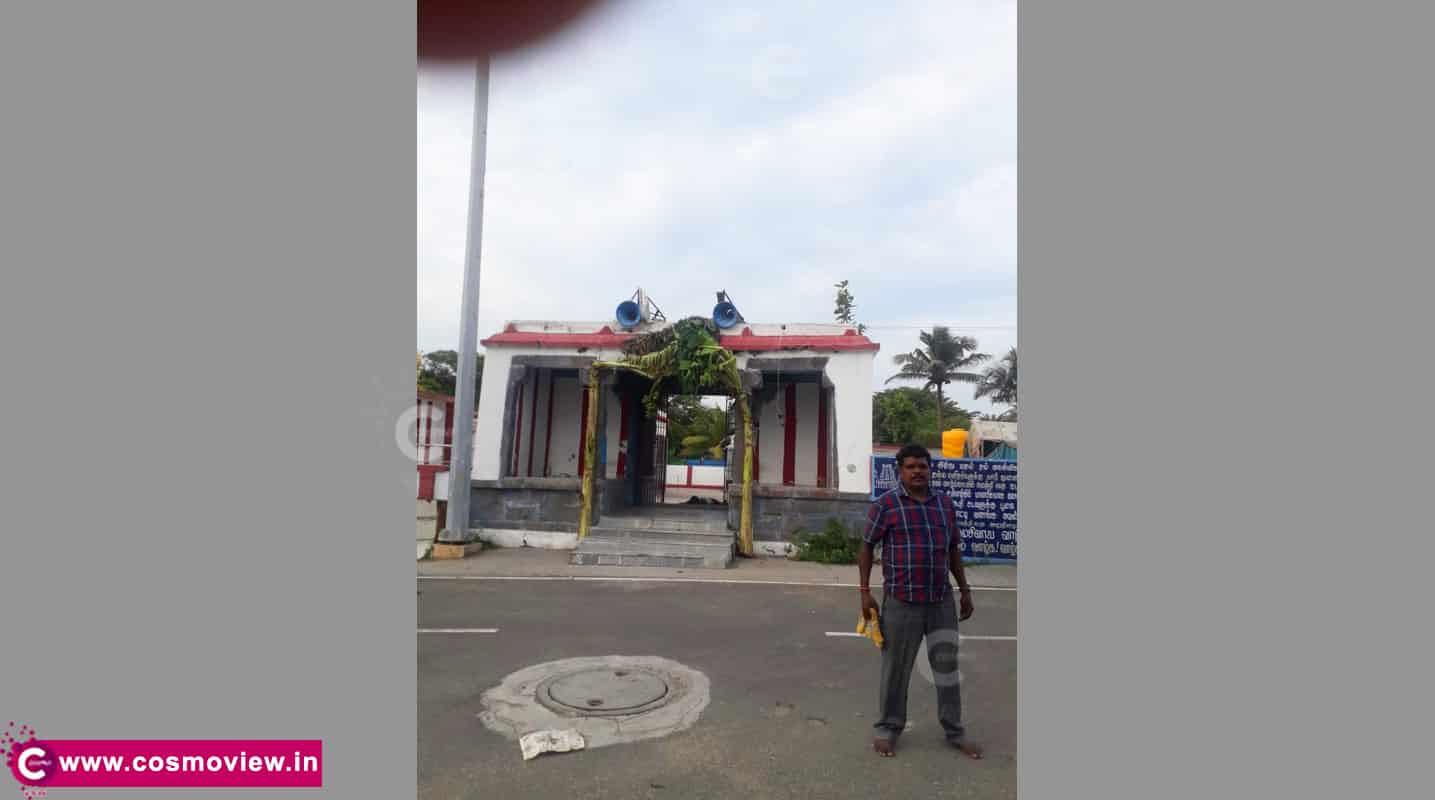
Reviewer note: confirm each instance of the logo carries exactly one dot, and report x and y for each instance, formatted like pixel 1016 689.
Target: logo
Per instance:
pixel 40 766
pixel 31 761
pixel 35 763
pixel 944 652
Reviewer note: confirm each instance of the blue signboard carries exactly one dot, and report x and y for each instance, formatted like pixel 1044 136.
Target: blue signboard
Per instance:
pixel 984 492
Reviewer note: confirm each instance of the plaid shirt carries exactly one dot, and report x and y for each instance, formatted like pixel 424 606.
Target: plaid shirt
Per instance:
pixel 917 538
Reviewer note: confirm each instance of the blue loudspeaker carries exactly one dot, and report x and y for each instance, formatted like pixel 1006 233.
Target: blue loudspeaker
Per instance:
pixel 630 314
pixel 725 315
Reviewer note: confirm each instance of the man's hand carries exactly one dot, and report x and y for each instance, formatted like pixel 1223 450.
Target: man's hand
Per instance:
pixel 868 601
pixel 967 607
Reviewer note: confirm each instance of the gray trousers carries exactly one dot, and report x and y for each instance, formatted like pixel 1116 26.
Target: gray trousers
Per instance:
pixel 903 626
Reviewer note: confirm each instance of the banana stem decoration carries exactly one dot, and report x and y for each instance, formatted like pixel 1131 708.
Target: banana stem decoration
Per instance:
pixel 744 535
pixel 590 455
pixel 690 354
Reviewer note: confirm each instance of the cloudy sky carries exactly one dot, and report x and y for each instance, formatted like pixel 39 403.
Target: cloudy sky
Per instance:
pixel 769 149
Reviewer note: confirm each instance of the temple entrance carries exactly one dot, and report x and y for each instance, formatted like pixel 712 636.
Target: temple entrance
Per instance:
pixel 697 449
pixel 679 455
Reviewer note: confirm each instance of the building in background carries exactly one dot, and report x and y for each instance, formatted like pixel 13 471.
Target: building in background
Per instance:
pixel 810 390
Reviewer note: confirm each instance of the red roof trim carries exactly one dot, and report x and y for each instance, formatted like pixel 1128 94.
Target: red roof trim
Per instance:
pixel 603 338
pixel 746 341
pixel 753 342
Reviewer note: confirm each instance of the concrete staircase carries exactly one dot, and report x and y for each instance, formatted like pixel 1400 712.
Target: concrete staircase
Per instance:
pixel 661 536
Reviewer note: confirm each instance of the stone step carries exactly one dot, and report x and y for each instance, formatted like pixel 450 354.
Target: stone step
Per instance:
pixel 652 551
pixel 666 522
pixel 648 535
pixel 666 562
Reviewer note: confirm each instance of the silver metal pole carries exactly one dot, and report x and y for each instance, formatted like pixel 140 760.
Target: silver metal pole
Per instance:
pixel 461 464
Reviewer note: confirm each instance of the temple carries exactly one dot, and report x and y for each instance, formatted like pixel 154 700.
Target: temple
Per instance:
pixel 809 391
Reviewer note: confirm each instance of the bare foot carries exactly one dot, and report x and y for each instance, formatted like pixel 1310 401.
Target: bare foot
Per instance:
pixel 884 748
pixel 972 751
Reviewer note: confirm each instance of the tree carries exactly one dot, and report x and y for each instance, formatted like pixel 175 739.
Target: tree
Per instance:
pixel 939 363
pixel 682 409
pixel 999 382
pixel 438 372
pixel 707 437
pixel 892 424
pixel 900 418
pixel 845 307
pixel 696 430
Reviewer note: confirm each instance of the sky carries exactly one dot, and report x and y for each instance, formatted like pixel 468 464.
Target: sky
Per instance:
pixel 766 149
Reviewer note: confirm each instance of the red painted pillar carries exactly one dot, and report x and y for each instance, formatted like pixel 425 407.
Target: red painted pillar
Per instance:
pixel 789 437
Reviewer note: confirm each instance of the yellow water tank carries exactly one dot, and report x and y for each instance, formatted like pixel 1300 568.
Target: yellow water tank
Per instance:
pixel 954 443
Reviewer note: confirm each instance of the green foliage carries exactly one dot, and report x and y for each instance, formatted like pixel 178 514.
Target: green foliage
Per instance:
pixel 907 414
pixel 696 431
pixel 939 362
pixel 999 382
pixel 685 358
pixel 438 372
pixel 834 544
pixel 846 306
pixel 702 363
pixel 899 418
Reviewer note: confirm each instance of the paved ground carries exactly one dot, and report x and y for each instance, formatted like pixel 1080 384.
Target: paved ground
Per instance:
pixel 791 708
pixel 529 561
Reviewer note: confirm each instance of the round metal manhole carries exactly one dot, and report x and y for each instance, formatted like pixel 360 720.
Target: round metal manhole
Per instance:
pixel 606 692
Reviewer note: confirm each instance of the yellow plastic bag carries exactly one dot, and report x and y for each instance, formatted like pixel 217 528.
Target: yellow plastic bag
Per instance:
pixel 868 626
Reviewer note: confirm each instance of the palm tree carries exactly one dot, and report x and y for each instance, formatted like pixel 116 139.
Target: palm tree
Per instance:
pixel 940 362
pixel 999 382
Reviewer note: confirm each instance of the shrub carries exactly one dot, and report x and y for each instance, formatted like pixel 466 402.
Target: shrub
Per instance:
pixel 834 544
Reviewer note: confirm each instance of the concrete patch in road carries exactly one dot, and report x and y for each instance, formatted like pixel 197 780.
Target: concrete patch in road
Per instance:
pixel 666 697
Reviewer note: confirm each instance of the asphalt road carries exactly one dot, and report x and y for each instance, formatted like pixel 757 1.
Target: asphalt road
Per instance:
pixel 791 708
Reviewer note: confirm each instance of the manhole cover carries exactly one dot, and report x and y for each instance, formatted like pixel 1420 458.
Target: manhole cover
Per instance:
pixel 608 700
pixel 604 692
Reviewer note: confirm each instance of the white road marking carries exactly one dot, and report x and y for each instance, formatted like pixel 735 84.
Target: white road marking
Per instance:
pixel 458 630
pixel 961 636
pixel 663 580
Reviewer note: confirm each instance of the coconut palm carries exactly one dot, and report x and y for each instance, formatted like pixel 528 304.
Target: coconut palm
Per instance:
pixel 939 362
pixel 999 381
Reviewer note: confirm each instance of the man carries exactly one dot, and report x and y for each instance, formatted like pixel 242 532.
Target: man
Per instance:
pixel 920 545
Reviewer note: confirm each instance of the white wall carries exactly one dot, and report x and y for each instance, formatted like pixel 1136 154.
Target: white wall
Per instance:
pixel 487 458
pixel 567 423
pixel 701 476
pixel 851 376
